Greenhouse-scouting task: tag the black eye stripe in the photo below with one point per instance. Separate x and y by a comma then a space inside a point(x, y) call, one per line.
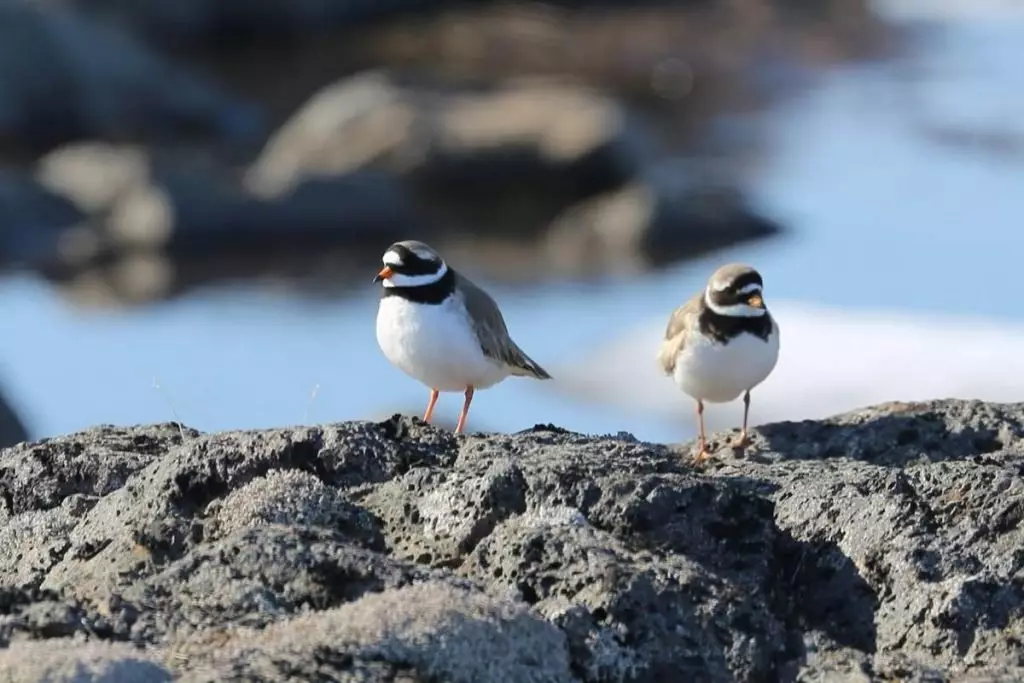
point(745, 280)
point(412, 263)
point(734, 293)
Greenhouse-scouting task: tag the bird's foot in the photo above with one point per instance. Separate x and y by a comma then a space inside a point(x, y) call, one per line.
point(741, 442)
point(702, 456)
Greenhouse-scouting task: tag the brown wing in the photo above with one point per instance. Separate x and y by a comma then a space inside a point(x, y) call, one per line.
point(493, 334)
point(682, 320)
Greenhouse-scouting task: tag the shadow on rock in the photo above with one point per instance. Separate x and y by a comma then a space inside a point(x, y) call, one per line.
point(900, 434)
point(828, 594)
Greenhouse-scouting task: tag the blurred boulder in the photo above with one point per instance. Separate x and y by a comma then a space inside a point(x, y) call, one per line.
point(681, 60)
point(12, 430)
point(215, 22)
point(549, 170)
point(570, 138)
point(652, 223)
point(543, 159)
point(159, 224)
point(538, 137)
point(65, 76)
point(36, 225)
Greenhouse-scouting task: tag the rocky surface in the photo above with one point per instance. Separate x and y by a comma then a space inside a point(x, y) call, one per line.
point(883, 544)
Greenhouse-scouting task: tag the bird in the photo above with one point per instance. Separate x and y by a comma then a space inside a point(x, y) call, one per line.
point(721, 343)
point(439, 328)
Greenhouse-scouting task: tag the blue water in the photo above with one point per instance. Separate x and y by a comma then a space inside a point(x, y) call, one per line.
point(880, 214)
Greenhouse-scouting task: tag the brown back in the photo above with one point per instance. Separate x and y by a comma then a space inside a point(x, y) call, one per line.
point(682, 320)
point(491, 331)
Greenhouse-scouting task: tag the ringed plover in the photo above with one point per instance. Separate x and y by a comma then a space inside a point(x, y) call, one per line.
point(441, 329)
point(721, 343)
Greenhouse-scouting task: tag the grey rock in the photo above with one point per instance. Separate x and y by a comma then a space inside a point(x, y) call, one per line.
point(156, 517)
point(926, 508)
point(440, 631)
point(68, 661)
point(453, 514)
point(41, 475)
point(33, 543)
point(290, 497)
point(649, 611)
point(881, 544)
point(256, 576)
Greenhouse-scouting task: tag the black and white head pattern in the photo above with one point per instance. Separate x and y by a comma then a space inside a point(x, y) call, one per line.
point(416, 272)
point(734, 303)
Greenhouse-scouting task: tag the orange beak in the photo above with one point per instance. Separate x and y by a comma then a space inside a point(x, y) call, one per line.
point(756, 301)
point(383, 274)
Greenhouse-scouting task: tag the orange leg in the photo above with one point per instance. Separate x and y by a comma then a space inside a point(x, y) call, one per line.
point(430, 405)
point(702, 453)
point(743, 441)
point(465, 410)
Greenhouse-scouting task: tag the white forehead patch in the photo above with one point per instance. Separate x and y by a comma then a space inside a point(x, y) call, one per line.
point(399, 280)
point(391, 258)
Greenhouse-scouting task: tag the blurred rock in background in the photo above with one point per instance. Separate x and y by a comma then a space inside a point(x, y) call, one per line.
point(66, 75)
point(12, 430)
point(152, 147)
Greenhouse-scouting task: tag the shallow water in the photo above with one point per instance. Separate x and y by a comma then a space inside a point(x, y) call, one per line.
point(902, 184)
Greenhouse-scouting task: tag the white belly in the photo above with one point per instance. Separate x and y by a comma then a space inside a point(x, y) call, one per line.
point(435, 344)
point(718, 373)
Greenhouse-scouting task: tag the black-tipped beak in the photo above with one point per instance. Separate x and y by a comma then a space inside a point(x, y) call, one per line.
point(384, 274)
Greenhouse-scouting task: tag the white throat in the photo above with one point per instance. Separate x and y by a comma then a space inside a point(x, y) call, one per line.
point(735, 310)
point(399, 280)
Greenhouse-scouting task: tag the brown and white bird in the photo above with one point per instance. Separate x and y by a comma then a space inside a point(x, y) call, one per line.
point(441, 329)
point(722, 343)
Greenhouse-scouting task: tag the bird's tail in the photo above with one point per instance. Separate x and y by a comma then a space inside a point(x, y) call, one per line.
point(527, 367)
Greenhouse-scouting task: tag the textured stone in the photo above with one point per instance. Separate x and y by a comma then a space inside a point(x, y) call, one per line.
point(882, 544)
point(67, 661)
point(440, 631)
